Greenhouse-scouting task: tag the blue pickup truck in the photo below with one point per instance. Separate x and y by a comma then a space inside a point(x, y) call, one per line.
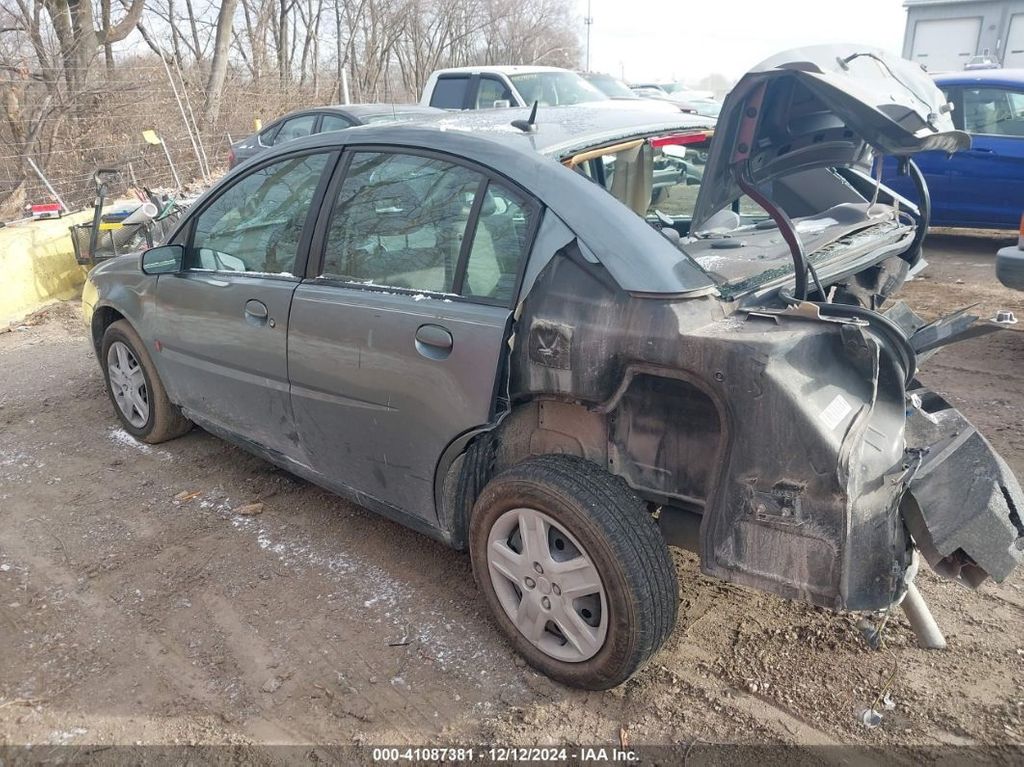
point(982, 187)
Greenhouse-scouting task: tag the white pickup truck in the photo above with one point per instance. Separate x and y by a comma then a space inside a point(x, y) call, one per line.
point(487, 87)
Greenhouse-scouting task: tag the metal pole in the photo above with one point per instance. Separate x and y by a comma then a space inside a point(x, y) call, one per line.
point(589, 21)
point(174, 172)
point(184, 118)
point(929, 635)
point(47, 183)
point(192, 116)
point(344, 86)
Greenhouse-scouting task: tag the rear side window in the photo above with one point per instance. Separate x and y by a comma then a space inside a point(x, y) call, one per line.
point(499, 244)
point(334, 122)
point(450, 92)
point(420, 223)
point(256, 224)
point(297, 127)
point(399, 221)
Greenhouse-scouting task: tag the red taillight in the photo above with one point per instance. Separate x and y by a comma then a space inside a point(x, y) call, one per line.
point(680, 139)
point(1020, 233)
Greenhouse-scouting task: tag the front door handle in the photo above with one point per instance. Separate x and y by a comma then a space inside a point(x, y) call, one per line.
point(434, 341)
point(256, 311)
point(981, 150)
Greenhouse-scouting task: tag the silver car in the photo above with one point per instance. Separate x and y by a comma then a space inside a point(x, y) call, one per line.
point(530, 336)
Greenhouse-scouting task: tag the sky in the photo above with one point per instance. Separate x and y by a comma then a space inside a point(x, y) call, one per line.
point(662, 39)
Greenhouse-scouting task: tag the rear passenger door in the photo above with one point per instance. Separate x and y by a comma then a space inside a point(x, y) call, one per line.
point(396, 336)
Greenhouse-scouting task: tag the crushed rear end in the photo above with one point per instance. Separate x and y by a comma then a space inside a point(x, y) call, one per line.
point(842, 464)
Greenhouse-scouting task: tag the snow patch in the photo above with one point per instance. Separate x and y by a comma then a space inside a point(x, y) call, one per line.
point(119, 436)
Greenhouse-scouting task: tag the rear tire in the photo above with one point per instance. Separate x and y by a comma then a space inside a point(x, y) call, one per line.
point(139, 399)
point(539, 534)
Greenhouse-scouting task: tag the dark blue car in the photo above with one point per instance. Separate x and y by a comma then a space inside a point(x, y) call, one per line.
point(983, 186)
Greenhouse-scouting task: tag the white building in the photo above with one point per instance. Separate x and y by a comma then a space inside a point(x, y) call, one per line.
point(944, 35)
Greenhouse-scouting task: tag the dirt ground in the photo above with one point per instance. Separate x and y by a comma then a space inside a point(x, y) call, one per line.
point(137, 606)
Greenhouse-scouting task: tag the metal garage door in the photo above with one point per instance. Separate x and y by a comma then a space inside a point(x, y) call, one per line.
point(1013, 55)
point(942, 45)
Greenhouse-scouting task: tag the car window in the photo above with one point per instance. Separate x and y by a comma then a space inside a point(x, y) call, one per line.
point(554, 88)
point(334, 122)
point(491, 90)
point(399, 221)
point(297, 127)
point(499, 244)
point(993, 111)
point(663, 179)
point(267, 136)
point(256, 224)
point(450, 92)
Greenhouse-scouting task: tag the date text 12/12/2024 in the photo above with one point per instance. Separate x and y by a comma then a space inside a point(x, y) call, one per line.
point(594, 754)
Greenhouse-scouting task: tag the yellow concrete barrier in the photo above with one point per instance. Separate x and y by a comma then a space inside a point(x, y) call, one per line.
point(37, 264)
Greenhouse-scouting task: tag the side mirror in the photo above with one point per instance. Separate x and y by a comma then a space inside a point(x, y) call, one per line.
point(165, 259)
point(501, 103)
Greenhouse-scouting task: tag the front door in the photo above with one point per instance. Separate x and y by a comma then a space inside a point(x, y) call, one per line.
point(396, 341)
point(988, 178)
point(222, 322)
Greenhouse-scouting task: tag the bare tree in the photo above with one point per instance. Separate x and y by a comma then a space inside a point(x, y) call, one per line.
point(219, 66)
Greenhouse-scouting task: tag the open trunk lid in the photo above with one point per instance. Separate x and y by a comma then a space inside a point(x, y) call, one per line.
point(818, 108)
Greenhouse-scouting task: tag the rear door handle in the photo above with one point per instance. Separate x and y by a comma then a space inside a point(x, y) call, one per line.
point(256, 311)
point(434, 341)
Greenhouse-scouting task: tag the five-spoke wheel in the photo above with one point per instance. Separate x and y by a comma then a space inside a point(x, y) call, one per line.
point(574, 569)
point(128, 384)
point(139, 398)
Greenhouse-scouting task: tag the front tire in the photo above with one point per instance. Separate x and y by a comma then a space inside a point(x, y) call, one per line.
point(574, 569)
point(139, 399)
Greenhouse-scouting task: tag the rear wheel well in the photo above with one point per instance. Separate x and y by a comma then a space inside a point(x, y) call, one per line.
point(663, 434)
point(103, 318)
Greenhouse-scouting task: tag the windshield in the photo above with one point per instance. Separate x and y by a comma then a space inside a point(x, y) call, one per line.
point(612, 88)
point(555, 88)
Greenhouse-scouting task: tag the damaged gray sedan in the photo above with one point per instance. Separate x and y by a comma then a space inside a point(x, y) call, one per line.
point(541, 341)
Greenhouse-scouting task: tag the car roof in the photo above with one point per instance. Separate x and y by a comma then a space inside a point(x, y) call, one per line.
point(360, 111)
point(613, 231)
point(505, 69)
point(1008, 77)
point(563, 129)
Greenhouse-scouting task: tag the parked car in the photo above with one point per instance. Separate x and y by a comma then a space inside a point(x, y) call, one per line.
point(659, 96)
point(1010, 262)
point(707, 107)
point(486, 87)
point(486, 328)
point(616, 90)
point(981, 187)
point(306, 122)
point(703, 102)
